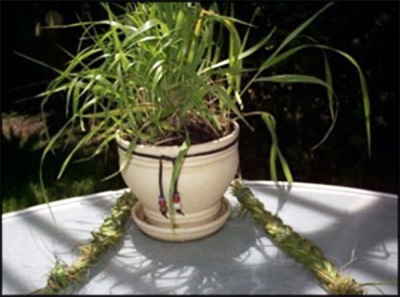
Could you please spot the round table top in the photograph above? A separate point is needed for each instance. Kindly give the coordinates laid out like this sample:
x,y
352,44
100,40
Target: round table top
x,y
356,229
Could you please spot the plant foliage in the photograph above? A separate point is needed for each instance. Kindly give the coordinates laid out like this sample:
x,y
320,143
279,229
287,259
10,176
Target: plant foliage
x,y
171,73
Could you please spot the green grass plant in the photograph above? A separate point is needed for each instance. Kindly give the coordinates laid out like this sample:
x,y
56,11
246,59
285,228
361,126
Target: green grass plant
x,y
175,73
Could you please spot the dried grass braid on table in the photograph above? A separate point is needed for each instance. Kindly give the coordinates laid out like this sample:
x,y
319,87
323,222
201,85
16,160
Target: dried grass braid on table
x,y
300,249
62,277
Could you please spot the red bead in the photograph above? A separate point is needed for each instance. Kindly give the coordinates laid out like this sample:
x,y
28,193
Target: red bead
x,y
163,205
176,197
177,205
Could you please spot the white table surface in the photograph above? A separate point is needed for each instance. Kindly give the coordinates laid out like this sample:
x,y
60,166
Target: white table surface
x,y
346,223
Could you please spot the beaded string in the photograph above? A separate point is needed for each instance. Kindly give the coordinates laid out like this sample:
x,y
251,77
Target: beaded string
x,y
162,202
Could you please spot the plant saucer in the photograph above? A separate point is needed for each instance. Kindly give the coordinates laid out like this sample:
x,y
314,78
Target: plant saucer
x,y
183,233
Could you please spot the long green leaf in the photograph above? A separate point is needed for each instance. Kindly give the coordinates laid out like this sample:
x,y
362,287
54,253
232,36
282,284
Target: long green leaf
x,y
295,78
364,89
328,76
178,163
38,62
242,55
294,34
89,136
299,29
269,120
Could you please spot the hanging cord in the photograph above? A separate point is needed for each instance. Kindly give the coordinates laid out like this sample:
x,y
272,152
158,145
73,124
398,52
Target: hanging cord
x,y
176,198
162,202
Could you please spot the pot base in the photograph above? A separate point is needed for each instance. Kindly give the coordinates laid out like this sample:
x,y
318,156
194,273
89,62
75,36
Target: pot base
x,y
181,234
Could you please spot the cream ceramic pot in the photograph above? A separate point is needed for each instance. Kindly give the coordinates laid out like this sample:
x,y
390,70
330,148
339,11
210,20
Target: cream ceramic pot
x,y
205,175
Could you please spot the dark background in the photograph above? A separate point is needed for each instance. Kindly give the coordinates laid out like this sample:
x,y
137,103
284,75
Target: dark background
x,y
367,30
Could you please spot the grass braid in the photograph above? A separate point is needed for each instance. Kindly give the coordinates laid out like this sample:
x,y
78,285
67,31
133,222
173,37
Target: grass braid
x,y
300,249
62,276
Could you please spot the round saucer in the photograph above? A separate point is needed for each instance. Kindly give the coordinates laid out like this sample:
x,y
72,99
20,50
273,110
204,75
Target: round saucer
x,y
181,234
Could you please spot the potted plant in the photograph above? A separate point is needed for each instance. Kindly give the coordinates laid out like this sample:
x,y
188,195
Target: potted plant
x,y
164,81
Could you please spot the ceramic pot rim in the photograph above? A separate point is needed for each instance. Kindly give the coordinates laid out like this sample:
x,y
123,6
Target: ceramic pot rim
x,y
172,151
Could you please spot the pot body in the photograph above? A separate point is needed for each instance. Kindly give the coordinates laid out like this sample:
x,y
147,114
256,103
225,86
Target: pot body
x,y
206,173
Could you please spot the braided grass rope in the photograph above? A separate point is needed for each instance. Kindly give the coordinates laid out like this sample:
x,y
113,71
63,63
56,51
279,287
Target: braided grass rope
x,y
300,249
62,276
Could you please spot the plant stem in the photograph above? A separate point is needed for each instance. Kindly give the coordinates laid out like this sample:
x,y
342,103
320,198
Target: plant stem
x,y
300,249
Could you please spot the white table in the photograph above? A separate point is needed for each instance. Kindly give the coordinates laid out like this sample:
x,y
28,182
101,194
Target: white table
x,y
345,223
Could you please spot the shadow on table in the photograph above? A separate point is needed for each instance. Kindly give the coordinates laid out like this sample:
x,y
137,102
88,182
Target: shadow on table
x,y
238,259
364,233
